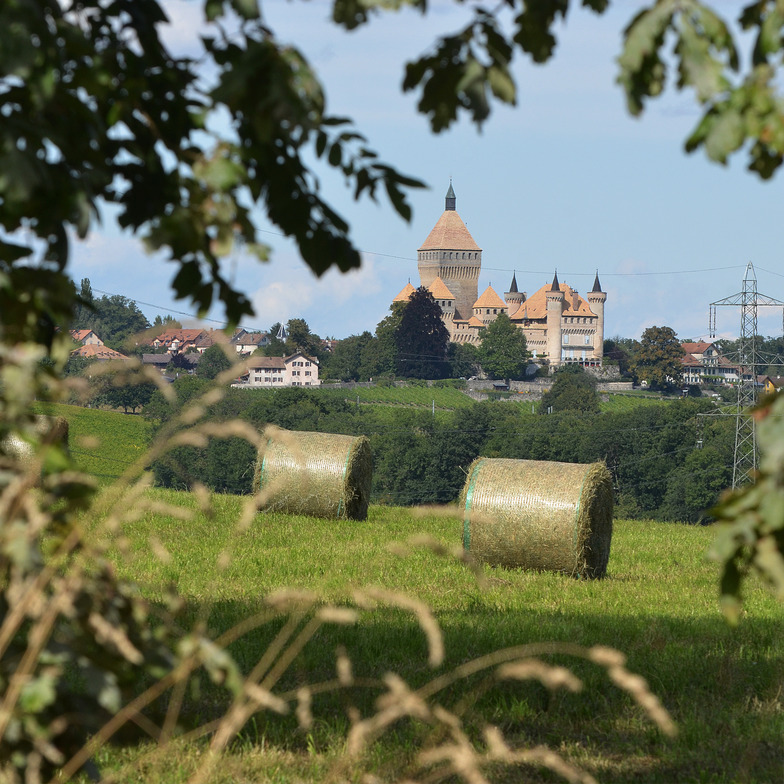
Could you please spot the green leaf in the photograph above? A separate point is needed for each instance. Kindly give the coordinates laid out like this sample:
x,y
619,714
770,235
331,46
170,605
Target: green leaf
x,y
247,9
9,252
726,135
213,9
502,84
335,154
221,173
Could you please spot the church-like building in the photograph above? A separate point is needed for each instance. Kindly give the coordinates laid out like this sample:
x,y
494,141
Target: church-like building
x,y
558,323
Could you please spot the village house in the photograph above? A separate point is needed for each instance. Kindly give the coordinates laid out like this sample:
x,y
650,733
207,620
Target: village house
x,y
771,385
558,323
86,337
297,370
246,342
703,363
177,341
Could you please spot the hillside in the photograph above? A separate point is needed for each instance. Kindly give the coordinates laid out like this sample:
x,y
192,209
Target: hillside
x,y
103,443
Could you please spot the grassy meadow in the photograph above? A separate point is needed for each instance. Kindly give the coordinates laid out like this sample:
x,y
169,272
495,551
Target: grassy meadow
x,y
658,604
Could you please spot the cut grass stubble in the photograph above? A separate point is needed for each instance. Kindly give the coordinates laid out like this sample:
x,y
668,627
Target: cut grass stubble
x,y
658,605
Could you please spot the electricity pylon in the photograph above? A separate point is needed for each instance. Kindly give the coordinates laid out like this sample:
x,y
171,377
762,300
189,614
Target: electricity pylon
x,y
745,459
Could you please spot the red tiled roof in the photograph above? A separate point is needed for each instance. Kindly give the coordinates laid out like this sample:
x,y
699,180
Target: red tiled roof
x,y
489,299
93,351
440,290
536,304
405,294
266,362
449,233
696,348
181,335
81,334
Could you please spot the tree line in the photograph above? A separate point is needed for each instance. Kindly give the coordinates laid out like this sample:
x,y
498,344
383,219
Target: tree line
x,y
668,462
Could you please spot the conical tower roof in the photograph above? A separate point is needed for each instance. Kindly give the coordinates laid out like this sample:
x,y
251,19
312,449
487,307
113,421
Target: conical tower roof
x,y
489,299
597,287
405,294
513,287
440,290
555,286
450,233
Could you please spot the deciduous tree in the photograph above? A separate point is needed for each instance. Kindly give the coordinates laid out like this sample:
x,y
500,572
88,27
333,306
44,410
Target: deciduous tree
x,y
212,362
659,359
421,338
572,390
503,352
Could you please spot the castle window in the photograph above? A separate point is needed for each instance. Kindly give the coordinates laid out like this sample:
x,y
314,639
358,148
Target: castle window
x,y
565,338
495,310
587,340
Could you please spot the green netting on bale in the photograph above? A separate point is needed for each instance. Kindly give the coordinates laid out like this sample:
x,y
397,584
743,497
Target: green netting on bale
x,y
539,515
318,474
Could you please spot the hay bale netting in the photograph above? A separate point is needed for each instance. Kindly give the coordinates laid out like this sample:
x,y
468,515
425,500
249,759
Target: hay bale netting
x,y
317,474
46,429
539,515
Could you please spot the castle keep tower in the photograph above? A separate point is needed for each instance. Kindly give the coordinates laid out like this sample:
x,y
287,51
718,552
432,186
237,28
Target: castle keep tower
x,y
450,253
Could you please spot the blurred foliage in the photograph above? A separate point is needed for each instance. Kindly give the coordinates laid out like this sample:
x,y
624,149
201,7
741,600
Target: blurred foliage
x,y
96,111
751,540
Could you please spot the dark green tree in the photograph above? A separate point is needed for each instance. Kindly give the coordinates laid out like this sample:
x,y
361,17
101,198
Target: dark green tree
x,y
344,362
572,390
658,360
300,338
117,320
503,352
212,362
84,307
621,350
275,347
463,360
167,322
421,338
379,356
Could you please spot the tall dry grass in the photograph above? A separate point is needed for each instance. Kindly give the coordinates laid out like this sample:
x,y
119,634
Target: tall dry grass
x,y
84,660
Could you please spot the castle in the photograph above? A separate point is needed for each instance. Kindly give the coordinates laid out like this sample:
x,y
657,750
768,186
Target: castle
x,y
558,323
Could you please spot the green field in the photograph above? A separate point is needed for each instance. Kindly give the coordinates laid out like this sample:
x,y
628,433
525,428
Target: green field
x,y
416,396
659,605
618,403
103,443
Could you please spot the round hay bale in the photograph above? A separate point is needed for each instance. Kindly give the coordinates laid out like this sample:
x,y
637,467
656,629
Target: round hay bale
x,y
317,474
539,515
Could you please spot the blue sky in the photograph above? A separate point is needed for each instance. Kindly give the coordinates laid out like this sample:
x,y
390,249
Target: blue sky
x,y
566,180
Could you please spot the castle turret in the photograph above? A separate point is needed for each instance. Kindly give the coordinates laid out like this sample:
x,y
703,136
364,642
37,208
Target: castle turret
x,y
596,299
555,305
513,297
450,253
